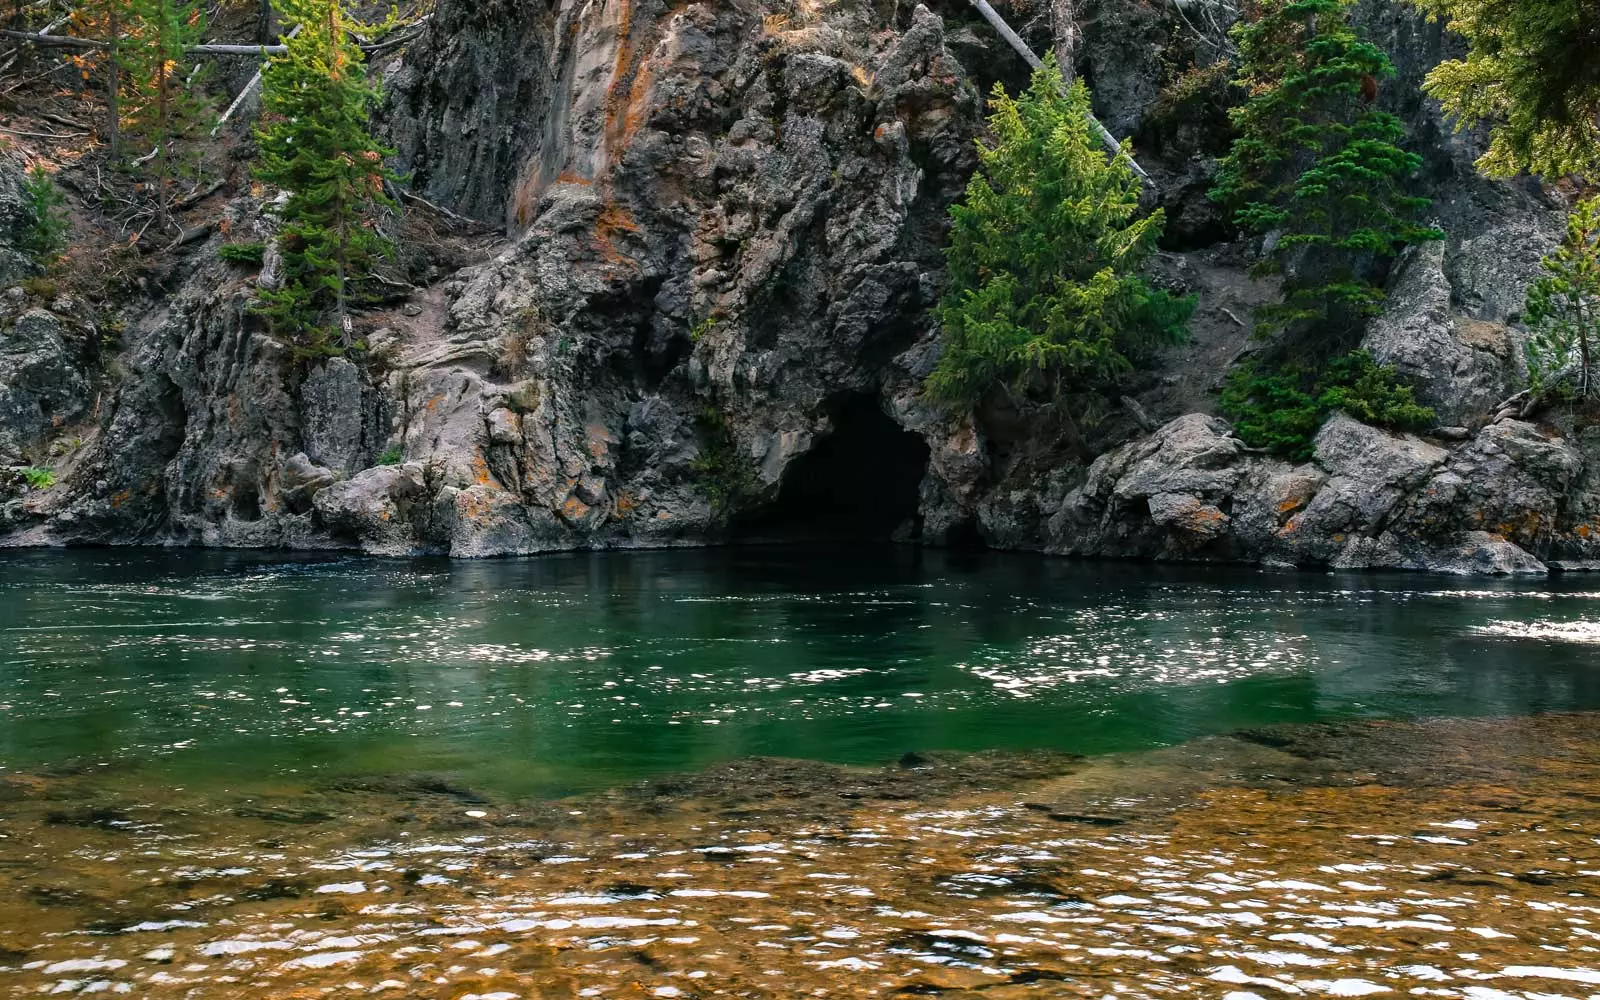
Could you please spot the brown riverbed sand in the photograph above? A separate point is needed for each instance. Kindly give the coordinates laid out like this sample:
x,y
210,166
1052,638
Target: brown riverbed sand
x,y
1436,858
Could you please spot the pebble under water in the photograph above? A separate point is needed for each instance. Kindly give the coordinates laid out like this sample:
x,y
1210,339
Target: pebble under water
x,y
769,773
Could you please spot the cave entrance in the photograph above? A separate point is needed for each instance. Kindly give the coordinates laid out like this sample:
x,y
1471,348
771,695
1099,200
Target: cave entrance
x,y
860,482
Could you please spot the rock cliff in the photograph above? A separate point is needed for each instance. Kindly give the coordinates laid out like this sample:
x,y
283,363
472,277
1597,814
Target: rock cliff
x,y
705,316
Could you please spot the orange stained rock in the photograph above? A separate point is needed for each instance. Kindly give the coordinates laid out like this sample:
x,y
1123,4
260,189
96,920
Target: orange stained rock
x,y
599,439
480,470
627,98
613,220
574,509
474,505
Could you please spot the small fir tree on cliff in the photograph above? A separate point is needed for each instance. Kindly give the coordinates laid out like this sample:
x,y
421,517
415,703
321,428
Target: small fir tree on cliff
x,y
317,146
161,107
45,223
1044,292
1318,164
1563,310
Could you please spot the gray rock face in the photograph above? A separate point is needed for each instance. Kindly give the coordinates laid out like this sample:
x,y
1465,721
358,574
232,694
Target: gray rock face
x,y
724,228
14,264
337,405
42,387
1461,367
711,312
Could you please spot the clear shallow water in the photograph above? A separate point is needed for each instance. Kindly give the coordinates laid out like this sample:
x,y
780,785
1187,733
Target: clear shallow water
x,y
552,675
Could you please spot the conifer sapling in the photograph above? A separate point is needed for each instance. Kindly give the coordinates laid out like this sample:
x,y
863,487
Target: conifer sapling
x,y
1319,165
1563,310
1044,257
317,146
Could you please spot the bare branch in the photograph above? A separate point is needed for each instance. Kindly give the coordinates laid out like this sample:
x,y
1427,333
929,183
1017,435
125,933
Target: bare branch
x,y
440,209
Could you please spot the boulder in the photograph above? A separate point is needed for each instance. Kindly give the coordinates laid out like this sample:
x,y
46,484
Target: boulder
x,y
373,509
301,481
1461,367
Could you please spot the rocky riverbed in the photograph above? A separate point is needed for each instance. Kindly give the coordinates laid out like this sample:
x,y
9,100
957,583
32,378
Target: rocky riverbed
x,y
1431,858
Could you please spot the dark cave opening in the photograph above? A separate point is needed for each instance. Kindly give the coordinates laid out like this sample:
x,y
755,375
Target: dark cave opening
x,y
860,482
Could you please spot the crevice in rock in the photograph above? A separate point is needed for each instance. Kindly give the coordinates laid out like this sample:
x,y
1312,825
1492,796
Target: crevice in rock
x,y
859,483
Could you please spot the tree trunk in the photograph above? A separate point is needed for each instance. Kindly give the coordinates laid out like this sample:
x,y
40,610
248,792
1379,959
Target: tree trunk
x,y
1585,362
1064,17
266,23
113,84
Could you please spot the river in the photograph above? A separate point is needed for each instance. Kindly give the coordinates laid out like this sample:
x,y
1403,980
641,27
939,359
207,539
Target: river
x,y
782,772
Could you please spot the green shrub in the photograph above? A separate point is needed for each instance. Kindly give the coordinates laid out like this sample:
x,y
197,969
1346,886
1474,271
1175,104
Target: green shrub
x,y
44,234
702,328
1197,101
1281,408
250,254
39,288
721,473
392,455
1044,293
39,479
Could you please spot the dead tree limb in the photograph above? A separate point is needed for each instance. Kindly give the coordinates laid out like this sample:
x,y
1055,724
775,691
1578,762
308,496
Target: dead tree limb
x,y
207,49
1064,17
440,209
55,41
1036,63
249,88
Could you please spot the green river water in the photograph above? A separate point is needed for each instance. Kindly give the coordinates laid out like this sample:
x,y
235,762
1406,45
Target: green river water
x,y
796,772
565,673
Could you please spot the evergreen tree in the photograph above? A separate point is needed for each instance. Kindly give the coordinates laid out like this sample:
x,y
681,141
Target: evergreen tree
x,y
161,107
44,234
1044,292
1533,71
103,19
1317,163
317,146
1563,310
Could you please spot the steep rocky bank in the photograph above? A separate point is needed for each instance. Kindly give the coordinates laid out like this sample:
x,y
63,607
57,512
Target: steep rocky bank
x,y
705,317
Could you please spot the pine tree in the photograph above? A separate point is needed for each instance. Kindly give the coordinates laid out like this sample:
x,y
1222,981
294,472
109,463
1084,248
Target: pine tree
x,y
1317,163
1043,258
317,146
44,234
1532,71
103,19
1563,310
162,107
